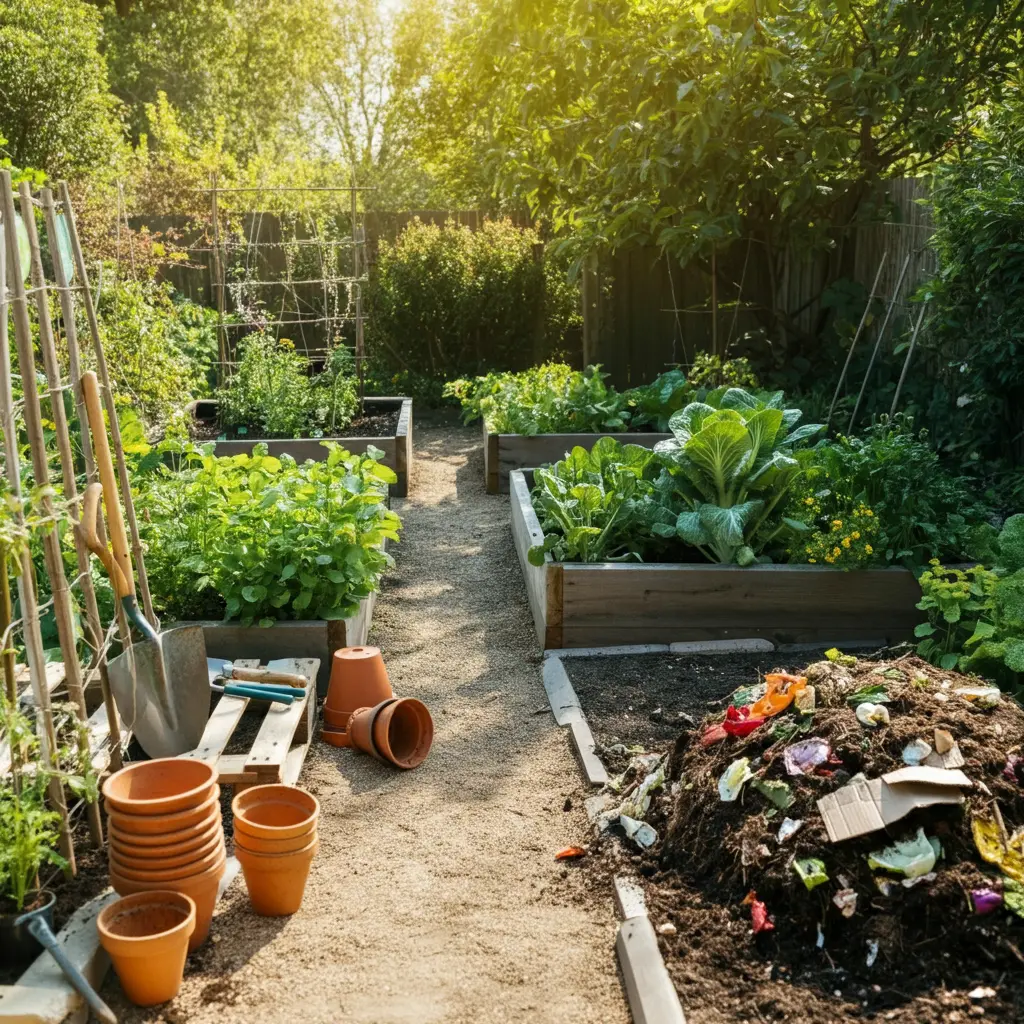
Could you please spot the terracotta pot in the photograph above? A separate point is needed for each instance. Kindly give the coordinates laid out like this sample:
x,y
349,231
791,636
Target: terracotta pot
x,y
169,874
403,731
147,937
358,680
274,812
163,786
277,881
132,867
128,850
156,829
255,844
398,731
202,888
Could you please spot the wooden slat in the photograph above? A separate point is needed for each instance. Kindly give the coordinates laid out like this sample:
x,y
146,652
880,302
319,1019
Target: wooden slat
x,y
522,451
226,715
272,743
403,450
490,461
526,532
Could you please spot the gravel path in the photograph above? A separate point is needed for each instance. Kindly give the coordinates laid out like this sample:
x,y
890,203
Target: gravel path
x,y
435,896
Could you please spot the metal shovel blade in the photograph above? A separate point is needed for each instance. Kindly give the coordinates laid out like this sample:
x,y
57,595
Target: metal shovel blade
x,y
163,695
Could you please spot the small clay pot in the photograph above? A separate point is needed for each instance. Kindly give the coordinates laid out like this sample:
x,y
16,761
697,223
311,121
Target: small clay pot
x,y
147,937
255,844
160,828
129,851
358,680
277,881
202,889
162,786
195,866
403,732
134,867
274,812
18,946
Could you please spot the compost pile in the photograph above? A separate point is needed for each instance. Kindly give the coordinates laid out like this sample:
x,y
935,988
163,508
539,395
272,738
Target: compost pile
x,y
744,827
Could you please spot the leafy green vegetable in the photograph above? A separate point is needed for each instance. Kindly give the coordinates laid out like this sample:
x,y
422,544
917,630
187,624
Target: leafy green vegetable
x,y
257,538
654,404
733,460
597,506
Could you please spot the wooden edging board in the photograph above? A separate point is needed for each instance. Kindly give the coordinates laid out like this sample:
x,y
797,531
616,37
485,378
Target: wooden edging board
x,y
307,638
397,448
504,453
609,603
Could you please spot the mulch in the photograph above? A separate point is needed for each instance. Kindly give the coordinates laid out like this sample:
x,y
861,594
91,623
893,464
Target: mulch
x,y
933,949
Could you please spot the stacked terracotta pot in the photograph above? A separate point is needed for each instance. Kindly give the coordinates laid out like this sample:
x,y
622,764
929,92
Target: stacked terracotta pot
x,y
165,830
362,711
275,842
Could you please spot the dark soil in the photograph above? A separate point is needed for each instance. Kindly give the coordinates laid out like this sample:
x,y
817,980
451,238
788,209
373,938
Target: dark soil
x,y
382,424
646,699
933,950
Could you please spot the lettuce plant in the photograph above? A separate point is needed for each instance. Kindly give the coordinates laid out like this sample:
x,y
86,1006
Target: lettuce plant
x,y
733,459
598,506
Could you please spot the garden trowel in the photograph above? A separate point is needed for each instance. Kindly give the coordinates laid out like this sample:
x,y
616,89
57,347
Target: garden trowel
x,y
160,684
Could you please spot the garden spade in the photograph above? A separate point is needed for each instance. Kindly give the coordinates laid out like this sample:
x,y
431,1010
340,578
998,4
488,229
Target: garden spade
x,y
160,684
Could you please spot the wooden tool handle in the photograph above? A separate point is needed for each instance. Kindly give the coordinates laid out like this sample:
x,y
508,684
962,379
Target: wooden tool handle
x,y
105,466
87,529
267,675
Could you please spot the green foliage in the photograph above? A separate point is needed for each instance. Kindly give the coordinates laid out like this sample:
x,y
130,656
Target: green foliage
x,y
446,301
955,600
259,539
712,371
733,461
654,404
848,543
55,110
922,510
271,393
597,506
547,399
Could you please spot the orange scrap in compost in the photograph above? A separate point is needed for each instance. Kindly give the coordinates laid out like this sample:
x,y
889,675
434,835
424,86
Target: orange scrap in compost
x,y
782,688
571,853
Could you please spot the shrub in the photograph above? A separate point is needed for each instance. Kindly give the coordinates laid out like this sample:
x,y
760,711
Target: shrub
x,y
446,301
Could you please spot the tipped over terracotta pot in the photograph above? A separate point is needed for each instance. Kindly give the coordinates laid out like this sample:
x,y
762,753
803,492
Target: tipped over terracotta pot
x,y
147,937
399,731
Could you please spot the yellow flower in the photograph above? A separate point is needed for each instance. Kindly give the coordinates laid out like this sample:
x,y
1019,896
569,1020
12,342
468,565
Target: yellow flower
x,y
846,542
808,501
836,552
868,549
837,524
812,560
856,534
868,512
809,550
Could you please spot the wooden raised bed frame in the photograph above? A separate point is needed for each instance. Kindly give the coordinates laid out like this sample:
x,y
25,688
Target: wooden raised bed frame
x,y
506,452
611,603
397,448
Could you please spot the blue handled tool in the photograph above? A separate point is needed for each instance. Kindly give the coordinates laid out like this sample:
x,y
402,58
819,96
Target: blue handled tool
x,y
254,692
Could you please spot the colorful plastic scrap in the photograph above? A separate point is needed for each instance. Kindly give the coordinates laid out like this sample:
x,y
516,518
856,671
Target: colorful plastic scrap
x,y
811,871
758,914
846,901
986,900
781,689
909,857
789,828
778,793
733,779
741,721
1006,852
803,757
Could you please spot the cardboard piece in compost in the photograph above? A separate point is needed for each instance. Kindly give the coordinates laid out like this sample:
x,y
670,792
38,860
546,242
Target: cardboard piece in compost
x,y
866,805
952,758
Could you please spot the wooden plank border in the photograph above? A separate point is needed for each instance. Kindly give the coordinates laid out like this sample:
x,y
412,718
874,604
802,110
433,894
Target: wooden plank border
x,y
504,453
397,448
612,603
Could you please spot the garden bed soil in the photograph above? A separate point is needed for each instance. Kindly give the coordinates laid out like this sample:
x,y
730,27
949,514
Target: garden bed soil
x,y
936,960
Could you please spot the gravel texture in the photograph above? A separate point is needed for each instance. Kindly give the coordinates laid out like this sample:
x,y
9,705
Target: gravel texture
x,y
435,895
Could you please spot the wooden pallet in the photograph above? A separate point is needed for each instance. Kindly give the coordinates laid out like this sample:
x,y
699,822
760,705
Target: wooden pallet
x,y
284,735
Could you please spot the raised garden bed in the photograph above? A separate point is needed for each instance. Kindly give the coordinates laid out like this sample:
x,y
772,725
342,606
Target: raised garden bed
x,y
397,445
307,638
609,603
504,453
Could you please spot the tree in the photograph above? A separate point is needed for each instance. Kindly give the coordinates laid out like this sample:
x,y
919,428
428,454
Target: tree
x,y
55,109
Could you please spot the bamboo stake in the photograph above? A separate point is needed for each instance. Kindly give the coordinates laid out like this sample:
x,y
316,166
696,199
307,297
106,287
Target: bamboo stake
x,y
856,338
26,590
46,343
52,552
108,403
360,353
906,362
218,281
878,341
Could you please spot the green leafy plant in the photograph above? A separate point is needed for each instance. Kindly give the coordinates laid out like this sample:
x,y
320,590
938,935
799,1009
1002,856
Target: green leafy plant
x,y
597,506
955,600
256,538
712,371
654,404
733,461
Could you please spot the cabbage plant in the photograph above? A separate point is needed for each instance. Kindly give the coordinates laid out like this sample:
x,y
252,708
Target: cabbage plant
x,y
732,460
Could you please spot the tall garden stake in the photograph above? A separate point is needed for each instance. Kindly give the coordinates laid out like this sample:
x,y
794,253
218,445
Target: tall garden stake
x,y
26,588
906,362
108,402
52,552
67,462
856,337
878,341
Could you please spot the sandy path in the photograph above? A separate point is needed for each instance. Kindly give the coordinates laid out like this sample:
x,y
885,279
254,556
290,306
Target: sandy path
x,y
435,896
